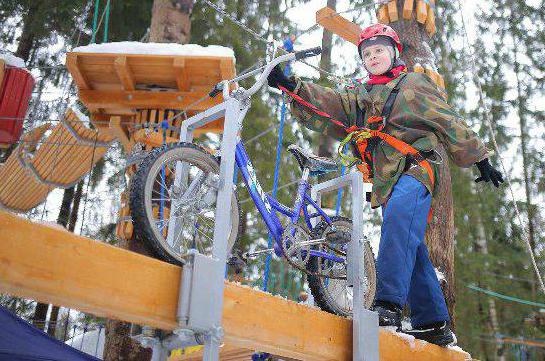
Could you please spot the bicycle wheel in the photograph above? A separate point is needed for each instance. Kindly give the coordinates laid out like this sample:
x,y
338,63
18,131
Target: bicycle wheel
x,y
191,222
334,295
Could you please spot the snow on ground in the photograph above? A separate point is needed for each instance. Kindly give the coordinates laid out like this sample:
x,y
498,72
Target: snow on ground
x,y
92,342
12,60
440,275
134,47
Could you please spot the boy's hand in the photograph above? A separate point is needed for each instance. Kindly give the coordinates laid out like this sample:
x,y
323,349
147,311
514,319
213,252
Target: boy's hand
x,y
488,173
277,77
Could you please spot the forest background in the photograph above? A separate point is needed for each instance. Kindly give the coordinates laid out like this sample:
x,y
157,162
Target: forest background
x,y
508,42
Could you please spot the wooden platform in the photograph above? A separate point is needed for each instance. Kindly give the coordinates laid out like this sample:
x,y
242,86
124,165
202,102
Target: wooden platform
x,y
44,162
49,264
125,84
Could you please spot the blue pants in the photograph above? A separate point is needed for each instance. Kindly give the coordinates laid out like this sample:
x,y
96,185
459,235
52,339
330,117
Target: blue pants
x,y
404,270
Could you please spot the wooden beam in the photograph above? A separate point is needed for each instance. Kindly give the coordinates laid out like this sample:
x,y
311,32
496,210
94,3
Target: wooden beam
x,y
142,99
181,73
154,139
118,131
49,264
339,25
124,73
227,69
77,75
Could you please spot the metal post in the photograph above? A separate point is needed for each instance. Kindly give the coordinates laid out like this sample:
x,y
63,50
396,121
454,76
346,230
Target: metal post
x,y
233,116
364,322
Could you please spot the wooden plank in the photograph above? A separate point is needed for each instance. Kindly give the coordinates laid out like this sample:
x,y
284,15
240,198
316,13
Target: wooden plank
x,y
124,73
382,15
227,69
72,63
181,73
151,138
119,132
421,11
430,21
339,25
116,283
408,6
392,11
144,99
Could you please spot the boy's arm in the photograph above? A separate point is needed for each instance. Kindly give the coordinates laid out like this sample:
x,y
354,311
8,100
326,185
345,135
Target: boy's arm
x,y
426,106
341,105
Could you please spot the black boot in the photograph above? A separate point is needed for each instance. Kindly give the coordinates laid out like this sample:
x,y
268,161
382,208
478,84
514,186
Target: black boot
x,y
389,314
437,333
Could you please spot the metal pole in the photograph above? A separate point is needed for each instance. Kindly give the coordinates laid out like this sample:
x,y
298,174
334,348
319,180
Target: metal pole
x,y
365,322
234,114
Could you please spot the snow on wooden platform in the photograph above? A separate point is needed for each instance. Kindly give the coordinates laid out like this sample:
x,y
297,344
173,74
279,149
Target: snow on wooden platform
x,y
122,79
116,283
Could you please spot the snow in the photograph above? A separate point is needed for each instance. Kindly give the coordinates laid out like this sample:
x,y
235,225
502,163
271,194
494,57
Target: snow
x,y
134,47
12,60
80,115
440,275
92,342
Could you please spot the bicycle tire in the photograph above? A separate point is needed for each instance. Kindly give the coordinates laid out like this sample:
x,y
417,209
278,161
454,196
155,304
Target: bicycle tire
x,y
140,210
318,287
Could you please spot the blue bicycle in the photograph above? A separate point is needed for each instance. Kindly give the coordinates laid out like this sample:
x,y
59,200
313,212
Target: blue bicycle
x,y
319,251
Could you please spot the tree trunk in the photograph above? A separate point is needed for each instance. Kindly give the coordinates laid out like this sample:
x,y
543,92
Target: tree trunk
x,y
170,21
440,232
120,347
75,207
40,314
530,208
26,40
53,319
325,147
481,246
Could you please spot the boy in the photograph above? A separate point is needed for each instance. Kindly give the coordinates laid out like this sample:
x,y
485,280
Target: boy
x,y
409,108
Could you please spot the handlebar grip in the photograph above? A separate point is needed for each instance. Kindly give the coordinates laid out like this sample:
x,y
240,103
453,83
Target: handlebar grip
x,y
308,53
218,88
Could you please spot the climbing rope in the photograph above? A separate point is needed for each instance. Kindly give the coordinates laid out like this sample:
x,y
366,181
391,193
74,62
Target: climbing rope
x,y
275,181
496,148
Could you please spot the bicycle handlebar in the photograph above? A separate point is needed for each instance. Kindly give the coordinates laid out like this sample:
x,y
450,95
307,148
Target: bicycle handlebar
x,y
308,53
303,54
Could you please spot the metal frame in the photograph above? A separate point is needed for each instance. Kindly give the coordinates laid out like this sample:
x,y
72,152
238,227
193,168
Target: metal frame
x,y
365,338
200,309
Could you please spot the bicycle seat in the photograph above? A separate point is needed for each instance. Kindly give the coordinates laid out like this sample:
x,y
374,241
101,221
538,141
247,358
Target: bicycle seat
x,y
317,165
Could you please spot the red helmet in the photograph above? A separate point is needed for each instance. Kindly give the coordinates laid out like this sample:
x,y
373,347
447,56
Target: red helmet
x,y
380,30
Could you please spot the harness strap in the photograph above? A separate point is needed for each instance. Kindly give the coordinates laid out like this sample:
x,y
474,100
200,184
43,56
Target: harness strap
x,y
359,134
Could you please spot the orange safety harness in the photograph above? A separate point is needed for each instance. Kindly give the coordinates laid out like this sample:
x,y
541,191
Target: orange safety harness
x,y
361,136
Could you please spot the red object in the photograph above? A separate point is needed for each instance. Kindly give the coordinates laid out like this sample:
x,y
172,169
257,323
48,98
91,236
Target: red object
x,y
380,30
386,77
397,144
15,93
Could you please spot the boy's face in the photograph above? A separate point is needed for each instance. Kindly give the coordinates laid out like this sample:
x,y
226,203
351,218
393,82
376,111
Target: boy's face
x,y
377,59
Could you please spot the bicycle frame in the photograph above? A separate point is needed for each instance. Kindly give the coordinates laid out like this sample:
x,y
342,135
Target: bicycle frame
x,y
268,206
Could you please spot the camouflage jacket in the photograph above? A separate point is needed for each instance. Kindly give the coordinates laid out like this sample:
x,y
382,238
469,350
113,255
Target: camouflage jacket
x,y
419,117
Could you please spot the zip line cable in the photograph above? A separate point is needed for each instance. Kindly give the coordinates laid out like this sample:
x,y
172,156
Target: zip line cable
x,y
505,297
224,14
496,148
